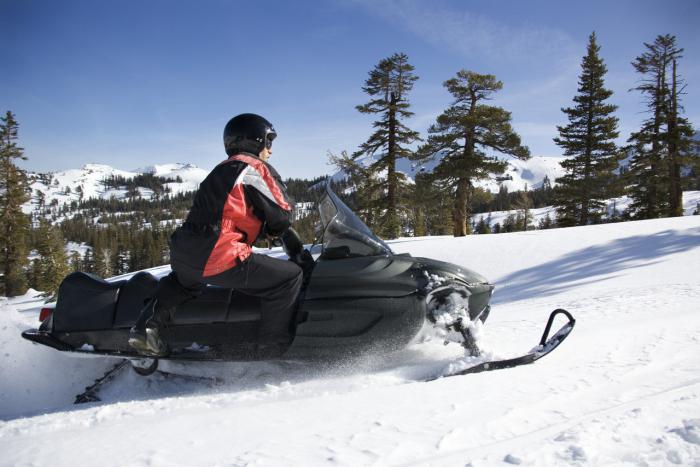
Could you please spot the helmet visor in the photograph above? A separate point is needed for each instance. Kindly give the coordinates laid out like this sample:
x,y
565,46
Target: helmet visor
x,y
269,137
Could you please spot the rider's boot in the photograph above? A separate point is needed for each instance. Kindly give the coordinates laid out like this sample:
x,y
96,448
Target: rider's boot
x,y
145,335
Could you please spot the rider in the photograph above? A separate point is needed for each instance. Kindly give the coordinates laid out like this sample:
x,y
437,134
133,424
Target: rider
x,y
241,199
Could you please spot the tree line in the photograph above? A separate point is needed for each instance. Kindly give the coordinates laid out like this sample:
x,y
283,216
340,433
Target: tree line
x,y
467,138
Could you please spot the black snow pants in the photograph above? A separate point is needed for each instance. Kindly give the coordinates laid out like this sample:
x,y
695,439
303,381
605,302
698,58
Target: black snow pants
x,y
277,282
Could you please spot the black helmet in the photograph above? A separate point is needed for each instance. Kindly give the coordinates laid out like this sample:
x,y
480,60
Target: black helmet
x,y
249,133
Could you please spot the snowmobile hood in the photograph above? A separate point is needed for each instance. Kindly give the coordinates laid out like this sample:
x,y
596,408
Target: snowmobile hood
x,y
443,269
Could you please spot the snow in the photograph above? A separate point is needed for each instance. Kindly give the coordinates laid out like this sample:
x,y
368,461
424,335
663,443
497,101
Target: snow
x,y
190,174
521,174
528,174
89,178
615,207
623,389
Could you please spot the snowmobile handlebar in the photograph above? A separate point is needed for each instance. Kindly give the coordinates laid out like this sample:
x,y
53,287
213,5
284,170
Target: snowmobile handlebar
x,y
295,250
292,244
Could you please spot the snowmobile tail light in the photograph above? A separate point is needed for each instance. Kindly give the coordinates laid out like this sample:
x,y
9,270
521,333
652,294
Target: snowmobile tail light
x,y
45,313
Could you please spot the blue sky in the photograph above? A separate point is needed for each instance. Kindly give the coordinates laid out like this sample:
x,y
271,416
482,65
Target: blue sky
x,y
133,83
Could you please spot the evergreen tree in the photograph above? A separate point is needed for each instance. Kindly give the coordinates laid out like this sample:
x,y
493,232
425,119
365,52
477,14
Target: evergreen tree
x,y
462,135
588,141
511,224
431,202
524,214
53,264
14,224
482,227
33,274
692,179
76,262
680,142
367,187
545,222
664,140
89,261
389,84
101,265
120,259
502,201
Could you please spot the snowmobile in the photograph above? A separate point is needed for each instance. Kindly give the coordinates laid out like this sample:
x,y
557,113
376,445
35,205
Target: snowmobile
x,y
357,297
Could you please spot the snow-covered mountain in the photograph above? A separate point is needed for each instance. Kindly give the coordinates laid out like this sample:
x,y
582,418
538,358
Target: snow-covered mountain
x,y
530,173
623,389
190,174
518,175
61,188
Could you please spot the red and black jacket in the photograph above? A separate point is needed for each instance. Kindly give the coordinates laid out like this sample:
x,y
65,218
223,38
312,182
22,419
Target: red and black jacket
x,y
240,196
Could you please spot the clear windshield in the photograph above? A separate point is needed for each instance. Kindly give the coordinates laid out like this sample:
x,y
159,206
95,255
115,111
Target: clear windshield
x,y
344,234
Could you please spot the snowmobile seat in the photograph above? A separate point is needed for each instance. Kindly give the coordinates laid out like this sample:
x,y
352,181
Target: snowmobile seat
x,y
209,307
133,296
85,303
218,305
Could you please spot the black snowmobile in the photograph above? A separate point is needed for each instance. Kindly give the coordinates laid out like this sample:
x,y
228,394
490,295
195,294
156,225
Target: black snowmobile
x,y
357,297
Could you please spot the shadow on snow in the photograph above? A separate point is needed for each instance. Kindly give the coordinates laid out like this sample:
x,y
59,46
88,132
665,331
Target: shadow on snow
x,y
593,264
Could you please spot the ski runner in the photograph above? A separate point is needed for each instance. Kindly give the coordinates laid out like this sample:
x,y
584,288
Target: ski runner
x,y
241,199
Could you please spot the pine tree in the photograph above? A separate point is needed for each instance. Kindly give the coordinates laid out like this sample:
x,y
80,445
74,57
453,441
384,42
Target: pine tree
x,y
89,261
680,142
482,227
53,263
75,262
661,145
523,204
389,84
502,201
14,224
367,187
461,136
431,202
101,265
588,141
545,222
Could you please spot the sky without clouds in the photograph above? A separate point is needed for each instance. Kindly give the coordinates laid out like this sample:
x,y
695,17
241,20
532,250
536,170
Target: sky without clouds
x,y
133,83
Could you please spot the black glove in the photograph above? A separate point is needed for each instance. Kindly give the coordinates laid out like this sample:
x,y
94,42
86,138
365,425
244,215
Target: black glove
x,y
306,261
292,244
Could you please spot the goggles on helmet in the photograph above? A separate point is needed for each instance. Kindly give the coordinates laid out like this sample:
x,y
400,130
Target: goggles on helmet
x,y
269,137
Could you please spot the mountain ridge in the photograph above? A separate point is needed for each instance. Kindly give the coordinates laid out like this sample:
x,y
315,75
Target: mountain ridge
x,y
63,187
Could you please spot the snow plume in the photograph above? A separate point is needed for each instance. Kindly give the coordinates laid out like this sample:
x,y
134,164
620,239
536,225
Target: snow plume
x,y
452,310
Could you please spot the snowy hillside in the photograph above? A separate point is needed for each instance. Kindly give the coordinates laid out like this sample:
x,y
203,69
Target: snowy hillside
x,y
190,174
622,390
519,174
528,173
64,187
615,207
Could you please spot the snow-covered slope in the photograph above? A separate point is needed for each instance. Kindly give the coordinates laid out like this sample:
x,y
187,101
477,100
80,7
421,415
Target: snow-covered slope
x,y
529,173
615,207
622,390
190,174
517,176
66,186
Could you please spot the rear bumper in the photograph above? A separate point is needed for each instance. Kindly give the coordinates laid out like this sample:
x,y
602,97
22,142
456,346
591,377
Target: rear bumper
x,y
45,338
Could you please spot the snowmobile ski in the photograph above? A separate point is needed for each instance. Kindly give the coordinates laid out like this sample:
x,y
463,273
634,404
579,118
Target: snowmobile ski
x,y
547,345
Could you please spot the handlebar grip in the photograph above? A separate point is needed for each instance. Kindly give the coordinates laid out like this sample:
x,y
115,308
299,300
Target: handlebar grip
x,y
292,244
